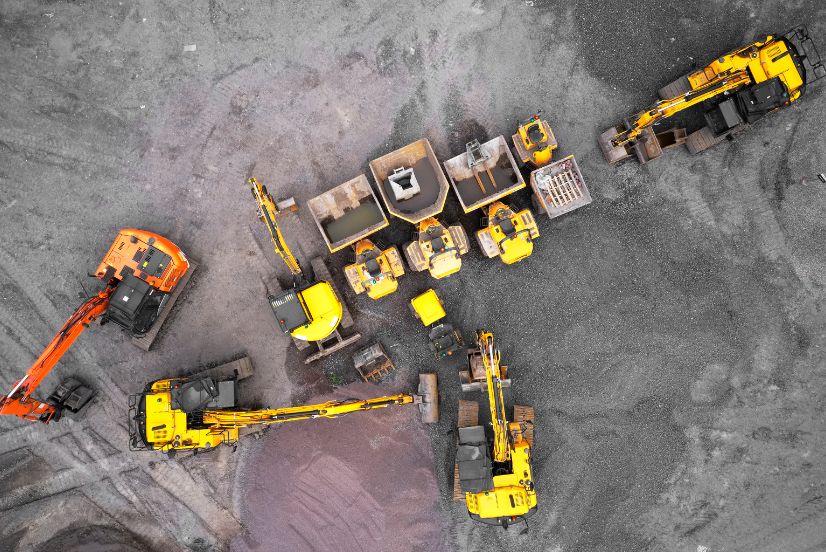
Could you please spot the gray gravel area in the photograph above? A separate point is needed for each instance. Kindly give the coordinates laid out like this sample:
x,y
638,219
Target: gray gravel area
x,y
670,335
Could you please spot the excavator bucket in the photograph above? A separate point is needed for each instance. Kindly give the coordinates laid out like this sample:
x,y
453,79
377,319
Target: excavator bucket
x,y
429,395
613,154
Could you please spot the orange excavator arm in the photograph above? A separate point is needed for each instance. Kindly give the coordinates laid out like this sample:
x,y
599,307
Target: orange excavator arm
x,y
19,401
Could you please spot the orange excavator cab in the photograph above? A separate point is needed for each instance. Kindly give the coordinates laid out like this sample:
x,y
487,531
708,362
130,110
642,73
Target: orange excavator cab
x,y
140,270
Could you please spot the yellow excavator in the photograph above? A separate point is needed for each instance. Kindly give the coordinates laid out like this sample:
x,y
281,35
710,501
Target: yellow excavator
x,y
437,249
534,141
735,90
374,271
310,311
507,234
202,412
493,469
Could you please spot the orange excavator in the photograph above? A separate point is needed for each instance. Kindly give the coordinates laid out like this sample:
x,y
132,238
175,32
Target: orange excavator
x,y
140,270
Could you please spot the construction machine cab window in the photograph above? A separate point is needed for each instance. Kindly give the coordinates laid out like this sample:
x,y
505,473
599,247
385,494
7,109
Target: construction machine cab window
x,y
373,268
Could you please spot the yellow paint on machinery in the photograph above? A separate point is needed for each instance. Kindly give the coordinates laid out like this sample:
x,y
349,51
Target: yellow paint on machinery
x,y
495,469
535,142
437,249
508,235
374,271
311,311
201,413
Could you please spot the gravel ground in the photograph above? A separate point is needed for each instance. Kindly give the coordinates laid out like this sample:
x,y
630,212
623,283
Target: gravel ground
x,y
359,482
669,335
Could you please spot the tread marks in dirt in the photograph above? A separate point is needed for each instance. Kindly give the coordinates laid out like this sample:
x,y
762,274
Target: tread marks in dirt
x,y
171,478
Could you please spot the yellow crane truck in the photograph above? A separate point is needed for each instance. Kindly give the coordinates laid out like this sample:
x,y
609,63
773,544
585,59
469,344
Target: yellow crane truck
x,y
734,90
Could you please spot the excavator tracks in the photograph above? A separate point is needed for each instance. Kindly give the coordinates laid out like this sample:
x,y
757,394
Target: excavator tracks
x,y
525,414
468,417
702,139
145,341
674,89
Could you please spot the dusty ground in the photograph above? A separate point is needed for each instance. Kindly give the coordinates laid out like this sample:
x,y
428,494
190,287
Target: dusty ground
x,y
670,335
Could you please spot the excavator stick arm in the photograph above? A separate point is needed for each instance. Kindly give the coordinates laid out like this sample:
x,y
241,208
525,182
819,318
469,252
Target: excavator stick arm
x,y
667,108
496,399
225,419
19,402
267,212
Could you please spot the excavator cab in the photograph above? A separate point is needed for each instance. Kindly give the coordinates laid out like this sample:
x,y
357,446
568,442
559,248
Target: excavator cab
x,y
309,312
169,414
144,267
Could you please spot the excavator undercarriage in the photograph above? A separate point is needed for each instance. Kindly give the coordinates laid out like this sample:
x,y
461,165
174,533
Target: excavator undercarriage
x,y
732,92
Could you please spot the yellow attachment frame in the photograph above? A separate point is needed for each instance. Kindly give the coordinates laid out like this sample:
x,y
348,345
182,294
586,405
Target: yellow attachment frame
x,y
267,213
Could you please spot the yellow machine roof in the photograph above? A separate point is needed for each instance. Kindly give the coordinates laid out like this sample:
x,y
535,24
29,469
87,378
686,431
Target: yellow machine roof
x,y
324,311
428,307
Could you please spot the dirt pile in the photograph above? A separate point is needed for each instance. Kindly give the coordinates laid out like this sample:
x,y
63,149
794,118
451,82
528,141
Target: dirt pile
x,y
360,482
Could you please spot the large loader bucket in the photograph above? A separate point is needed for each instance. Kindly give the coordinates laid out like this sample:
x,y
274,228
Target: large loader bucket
x,y
429,393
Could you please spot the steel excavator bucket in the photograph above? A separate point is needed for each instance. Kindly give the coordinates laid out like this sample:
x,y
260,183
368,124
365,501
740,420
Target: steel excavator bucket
x,y
429,395
613,154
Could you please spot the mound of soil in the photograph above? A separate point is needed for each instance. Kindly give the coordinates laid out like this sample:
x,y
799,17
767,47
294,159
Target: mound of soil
x,y
361,482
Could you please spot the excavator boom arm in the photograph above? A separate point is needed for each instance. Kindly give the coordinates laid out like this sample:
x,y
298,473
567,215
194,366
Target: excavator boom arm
x,y
226,419
668,108
19,402
267,212
496,398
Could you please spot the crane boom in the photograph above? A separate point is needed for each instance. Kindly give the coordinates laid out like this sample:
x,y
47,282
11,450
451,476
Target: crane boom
x,y
227,419
19,402
267,212
496,399
668,108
